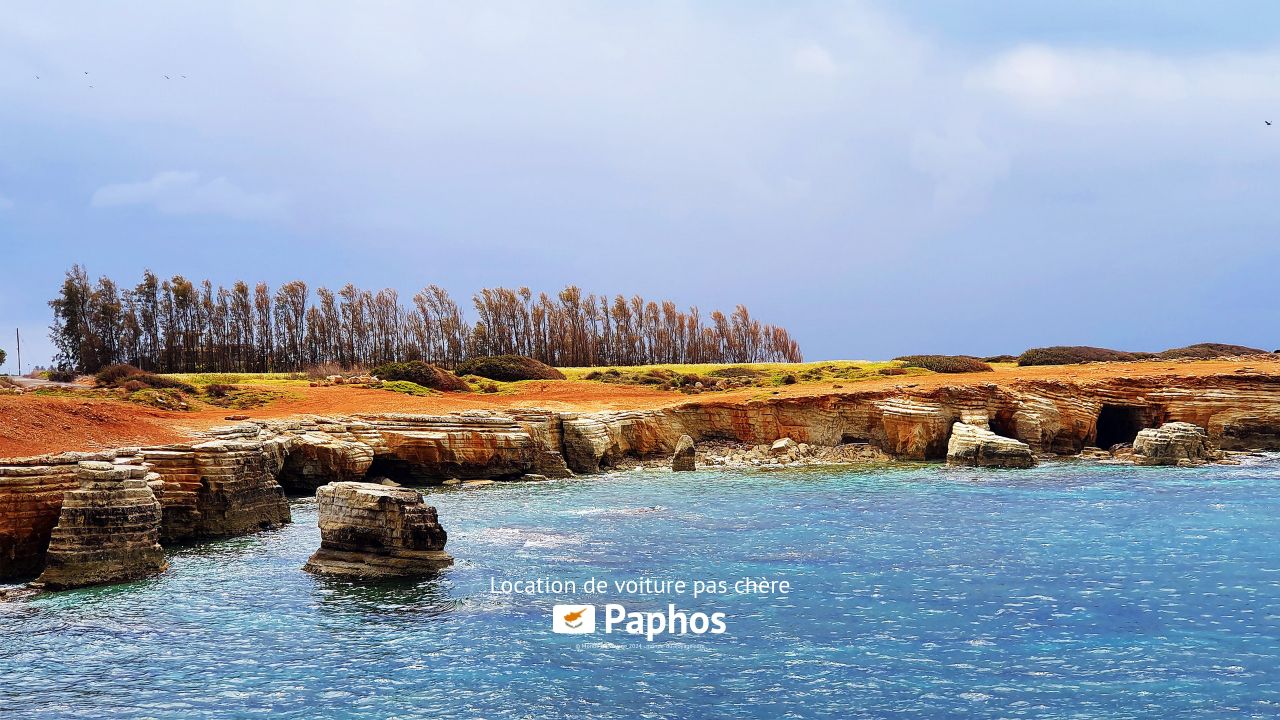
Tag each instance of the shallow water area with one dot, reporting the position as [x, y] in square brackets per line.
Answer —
[1070, 590]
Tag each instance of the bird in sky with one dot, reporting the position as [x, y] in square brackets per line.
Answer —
[1267, 122]
[166, 77]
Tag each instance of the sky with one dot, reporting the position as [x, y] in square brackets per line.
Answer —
[879, 178]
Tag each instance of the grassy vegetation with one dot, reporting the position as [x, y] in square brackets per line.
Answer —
[281, 380]
[752, 375]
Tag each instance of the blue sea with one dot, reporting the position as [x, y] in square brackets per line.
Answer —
[1073, 590]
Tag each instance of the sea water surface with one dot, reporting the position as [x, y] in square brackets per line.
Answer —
[1072, 590]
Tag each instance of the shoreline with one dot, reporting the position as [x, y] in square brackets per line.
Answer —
[233, 479]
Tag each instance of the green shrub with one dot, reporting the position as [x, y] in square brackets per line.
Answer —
[120, 375]
[423, 374]
[1074, 354]
[945, 363]
[407, 387]
[1000, 359]
[737, 371]
[61, 376]
[218, 390]
[509, 368]
[115, 375]
[893, 371]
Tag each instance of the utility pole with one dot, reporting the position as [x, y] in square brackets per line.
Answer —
[18, 334]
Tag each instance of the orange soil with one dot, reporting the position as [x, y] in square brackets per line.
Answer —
[31, 424]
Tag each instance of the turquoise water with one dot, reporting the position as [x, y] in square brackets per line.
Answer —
[1070, 590]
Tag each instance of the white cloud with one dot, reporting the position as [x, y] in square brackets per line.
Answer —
[814, 60]
[1046, 77]
[185, 193]
[963, 166]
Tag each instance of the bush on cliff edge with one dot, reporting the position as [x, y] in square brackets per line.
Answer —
[426, 375]
[1075, 354]
[509, 368]
[945, 363]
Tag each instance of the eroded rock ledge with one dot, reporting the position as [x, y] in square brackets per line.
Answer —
[234, 479]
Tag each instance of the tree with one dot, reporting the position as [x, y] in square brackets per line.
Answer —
[181, 325]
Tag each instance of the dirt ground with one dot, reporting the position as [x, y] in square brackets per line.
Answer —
[33, 424]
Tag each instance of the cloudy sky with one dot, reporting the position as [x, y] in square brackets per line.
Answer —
[881, 178]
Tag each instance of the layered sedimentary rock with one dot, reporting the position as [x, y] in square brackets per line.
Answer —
[979, 447]
[1176, 443]
[230, 482]
[684, 458]
[219, 488]
[31, 492]
[428, 449]
[374, 531]
[315, 459]
[599, 440]
[108, 529]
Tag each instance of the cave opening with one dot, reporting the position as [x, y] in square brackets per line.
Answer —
[1119, 424]
[1003, 424]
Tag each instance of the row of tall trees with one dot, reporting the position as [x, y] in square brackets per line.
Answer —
[176, 325]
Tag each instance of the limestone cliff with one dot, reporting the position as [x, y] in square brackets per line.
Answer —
[231, 482]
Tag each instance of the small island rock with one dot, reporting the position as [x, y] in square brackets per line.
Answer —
[979, 447]
[683, 460]
[374, 531]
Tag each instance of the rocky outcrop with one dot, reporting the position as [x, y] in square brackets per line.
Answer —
[108, 529]
[684, 458]
[316, 458]
[979, 447]
[374, 531]
[230, 483]
[1175, 443]
[31, 492]
[597, 441]
[428, 449]
[220, 488]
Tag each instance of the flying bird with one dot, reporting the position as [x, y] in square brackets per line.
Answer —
[166, 77]
[1267, 122]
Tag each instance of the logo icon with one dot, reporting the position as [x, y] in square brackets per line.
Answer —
[573, 619]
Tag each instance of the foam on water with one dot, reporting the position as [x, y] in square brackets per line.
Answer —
[1069, 590]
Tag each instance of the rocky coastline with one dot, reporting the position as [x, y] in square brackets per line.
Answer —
[234, 480]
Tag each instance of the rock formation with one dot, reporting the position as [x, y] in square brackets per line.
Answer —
[229, 483]
[31, 491]
[316, 459]
[683, 459]
[979, 447]
[108, 530]
[374, 531]
[428, 449]
[1175, 443]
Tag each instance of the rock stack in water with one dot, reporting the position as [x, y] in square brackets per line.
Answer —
[374, 531]
[108, 531]
[683, 460]
[1175, 443]
[979, 447]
